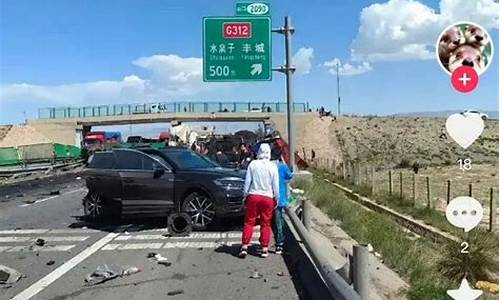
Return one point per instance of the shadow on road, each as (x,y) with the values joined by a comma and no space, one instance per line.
(140,224)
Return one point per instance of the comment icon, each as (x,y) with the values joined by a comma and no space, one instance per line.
(464,212)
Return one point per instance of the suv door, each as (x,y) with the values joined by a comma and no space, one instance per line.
(102,178)
(147,183)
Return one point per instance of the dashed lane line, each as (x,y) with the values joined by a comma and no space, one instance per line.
(16,239)
(48,231)
(41,284)
(52,197)
(48,248)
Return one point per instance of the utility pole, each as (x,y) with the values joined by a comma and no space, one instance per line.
(338,91)
(288,70)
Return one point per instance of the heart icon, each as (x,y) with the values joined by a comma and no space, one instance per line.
(464,128)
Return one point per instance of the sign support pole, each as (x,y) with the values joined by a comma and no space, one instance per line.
(288,69)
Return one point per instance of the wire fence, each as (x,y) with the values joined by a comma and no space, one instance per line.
(421,190)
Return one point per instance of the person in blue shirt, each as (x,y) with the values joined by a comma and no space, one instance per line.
(285,175)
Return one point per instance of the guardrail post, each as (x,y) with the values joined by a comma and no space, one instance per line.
(360,274)
(306,214)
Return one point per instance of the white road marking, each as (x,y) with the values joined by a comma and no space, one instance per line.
(23,231)
(17,239)
(13,239)
(51,231)
(52,197)
(73,231)
(48,248)
(141,246)
(63,269)
(140,237)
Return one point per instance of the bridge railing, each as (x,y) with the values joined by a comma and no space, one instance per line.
(165,107)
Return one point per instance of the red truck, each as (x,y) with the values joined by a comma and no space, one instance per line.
(98,140)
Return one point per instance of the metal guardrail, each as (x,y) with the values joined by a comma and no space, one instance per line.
(165,107)
(339,289)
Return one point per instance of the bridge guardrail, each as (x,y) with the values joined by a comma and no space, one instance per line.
(165,107)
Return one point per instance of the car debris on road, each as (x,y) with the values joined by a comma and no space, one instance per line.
(175,292)
(104,273)
(9,275)
(161,260)
(40,242)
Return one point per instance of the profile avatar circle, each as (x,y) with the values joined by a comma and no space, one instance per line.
(464,51)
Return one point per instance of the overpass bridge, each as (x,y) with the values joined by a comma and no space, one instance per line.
(66,125)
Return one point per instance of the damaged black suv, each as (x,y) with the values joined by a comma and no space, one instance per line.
(154,183)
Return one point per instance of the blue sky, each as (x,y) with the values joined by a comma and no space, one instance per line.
(74,53)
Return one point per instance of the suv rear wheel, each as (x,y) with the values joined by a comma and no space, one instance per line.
(200,208)
(93,205)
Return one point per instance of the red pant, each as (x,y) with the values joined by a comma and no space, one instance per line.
(262,207)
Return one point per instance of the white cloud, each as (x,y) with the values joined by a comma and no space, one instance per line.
(303,60)
(169,76)
(347,69)
(408,29)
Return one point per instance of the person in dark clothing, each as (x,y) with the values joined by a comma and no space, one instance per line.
(313,154)
(221,158)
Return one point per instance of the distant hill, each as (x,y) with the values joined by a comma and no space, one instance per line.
(442,114)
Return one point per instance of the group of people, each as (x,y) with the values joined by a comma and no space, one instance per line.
(266,196)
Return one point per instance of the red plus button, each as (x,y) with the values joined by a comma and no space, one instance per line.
(464,79)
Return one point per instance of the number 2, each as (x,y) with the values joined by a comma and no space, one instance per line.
(465,248)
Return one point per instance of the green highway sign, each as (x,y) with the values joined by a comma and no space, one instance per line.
(252,9)
(236,49)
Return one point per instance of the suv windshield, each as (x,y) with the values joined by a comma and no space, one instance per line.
(187,160)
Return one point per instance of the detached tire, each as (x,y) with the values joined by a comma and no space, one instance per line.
(200,208)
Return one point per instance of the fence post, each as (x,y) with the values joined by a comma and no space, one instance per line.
(390,182)
(401,186)
(491,210)
(343,170)
(373,180)
(327,167)
(470,189)
(448,191)
(360,276)
(428,192)
(414,193)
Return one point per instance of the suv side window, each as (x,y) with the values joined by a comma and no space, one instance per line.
(129,160)
(102,160)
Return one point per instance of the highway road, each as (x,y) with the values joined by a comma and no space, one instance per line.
(203,265)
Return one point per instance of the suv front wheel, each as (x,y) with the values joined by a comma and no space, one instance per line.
(200,208)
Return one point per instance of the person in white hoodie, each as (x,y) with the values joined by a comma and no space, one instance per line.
(261,193)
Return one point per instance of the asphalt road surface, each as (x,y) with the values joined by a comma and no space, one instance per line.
(203,265)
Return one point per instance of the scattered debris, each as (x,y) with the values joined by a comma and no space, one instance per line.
(370,248)
(256,275)
(175,292)
(201,248)
(30,201)
(159,259)
(275,287)
(9,275)
(78,178)
(20,195)
(265,279)
(55,192)
(40,242)
(131,270)
(50,262)
(101,274)
(104,273)
(280,274)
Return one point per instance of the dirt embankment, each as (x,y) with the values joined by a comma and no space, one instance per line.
(390,142)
